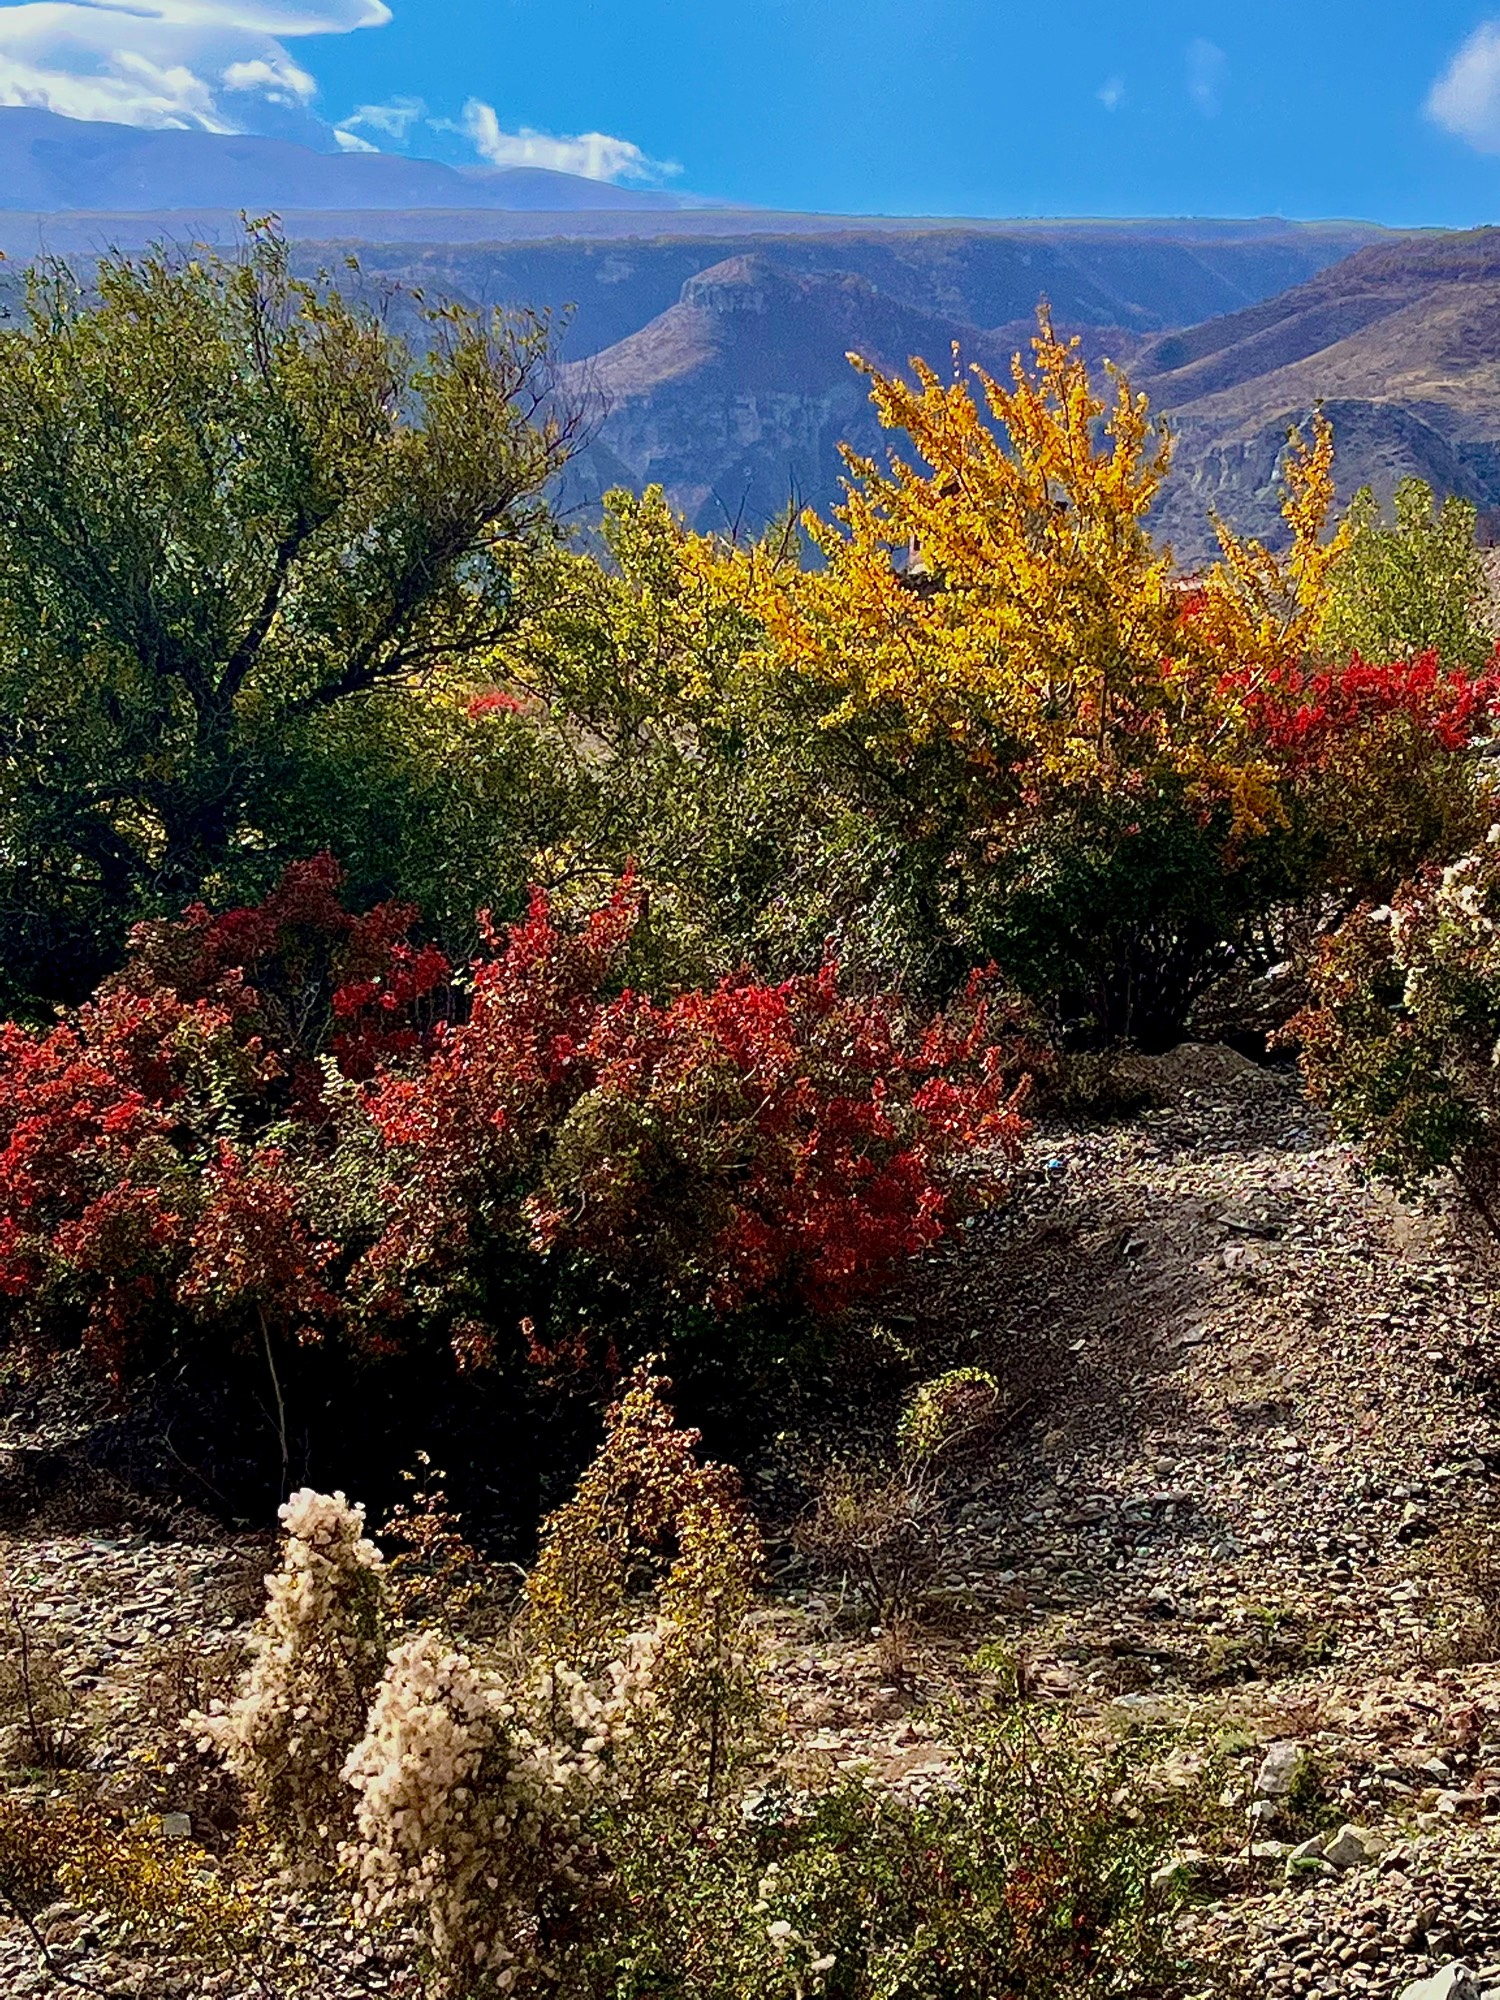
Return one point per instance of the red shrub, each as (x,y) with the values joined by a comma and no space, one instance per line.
(816,1138)
(1374,763)
(96,1126)
(750,1142)
(493,701)
(171,1158)
(1301,716)
(296,964)
(252,1246)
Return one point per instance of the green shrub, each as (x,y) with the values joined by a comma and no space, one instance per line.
(1410,585)
(1399,1038)
(1026,1871)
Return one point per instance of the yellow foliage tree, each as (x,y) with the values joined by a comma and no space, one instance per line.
(1000,588)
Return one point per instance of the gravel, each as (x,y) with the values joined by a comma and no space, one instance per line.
(1244,1495)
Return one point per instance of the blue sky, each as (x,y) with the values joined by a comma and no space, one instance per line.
(949,107)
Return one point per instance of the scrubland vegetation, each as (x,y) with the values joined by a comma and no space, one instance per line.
(458,973)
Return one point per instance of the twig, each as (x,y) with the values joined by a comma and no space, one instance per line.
(28,1692)
(44,1952)
(265,1334)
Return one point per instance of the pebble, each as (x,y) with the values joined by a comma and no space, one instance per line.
(1217,1512)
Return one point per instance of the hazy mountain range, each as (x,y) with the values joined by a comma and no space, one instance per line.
(49,163)
(737,394)
(710,346)
(716,363)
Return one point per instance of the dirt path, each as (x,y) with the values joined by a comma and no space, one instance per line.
(1248,1501)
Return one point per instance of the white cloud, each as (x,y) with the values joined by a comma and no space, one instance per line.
(595,155)
(267,17)
(1207,67)
(1111,93)
(1465,99)
(218,65)
(395,120)
(283,82)
(223,66)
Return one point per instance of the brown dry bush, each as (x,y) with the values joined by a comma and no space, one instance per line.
(40,1726)
(876,1529)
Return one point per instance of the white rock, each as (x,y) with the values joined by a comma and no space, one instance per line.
(1354,1846)
(1278,1769)
(1454,1982)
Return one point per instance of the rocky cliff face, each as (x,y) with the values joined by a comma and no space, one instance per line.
(1401,345)
(1234,472)
(737,398)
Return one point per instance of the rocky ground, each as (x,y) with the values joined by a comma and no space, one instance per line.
(1248,1495)
(1243,1493)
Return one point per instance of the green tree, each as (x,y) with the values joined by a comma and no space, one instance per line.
(234,508)
(1410,585)
(687,762)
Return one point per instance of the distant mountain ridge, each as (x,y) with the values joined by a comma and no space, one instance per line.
(1400,343)
(736,393)
(49,164)
(985,275)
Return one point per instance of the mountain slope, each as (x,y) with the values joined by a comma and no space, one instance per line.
(712,421)
(50,163)
(1402,344)
(738,393)
(737,398)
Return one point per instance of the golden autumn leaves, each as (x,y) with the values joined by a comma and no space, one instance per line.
(996,584)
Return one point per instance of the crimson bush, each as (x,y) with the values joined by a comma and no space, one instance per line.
(291,1129)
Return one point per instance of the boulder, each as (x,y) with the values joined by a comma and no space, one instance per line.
(1354,1847)
(1279,1769)
(1454,1982)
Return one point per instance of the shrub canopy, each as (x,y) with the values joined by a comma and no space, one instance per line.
(232,506)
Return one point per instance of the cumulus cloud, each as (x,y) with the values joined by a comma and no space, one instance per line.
(1465,99)
(1111,93)
(595,155)
(1207,67)
(219,65)
(226,66)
